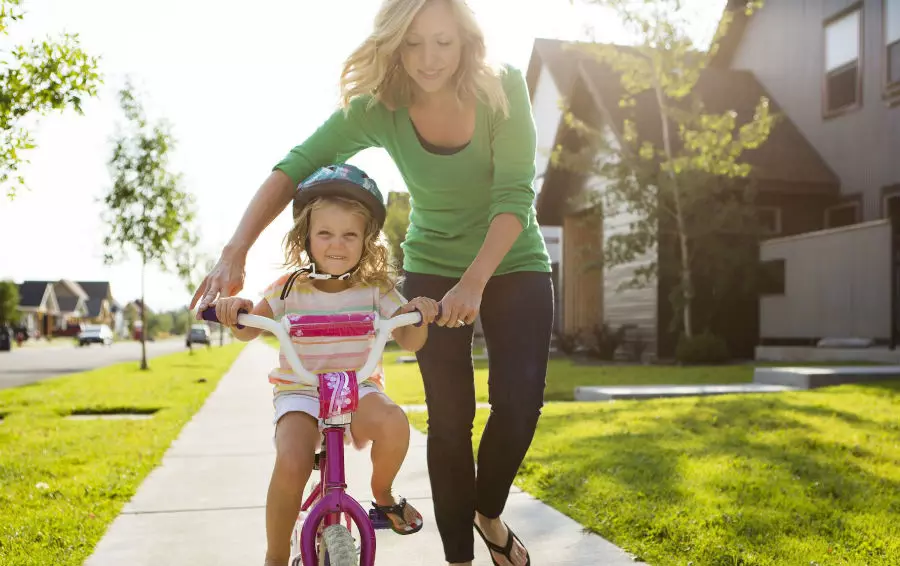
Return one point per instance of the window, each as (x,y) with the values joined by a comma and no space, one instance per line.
(843,69)
(841,215)
(769,218)
(771,280)
(892,47)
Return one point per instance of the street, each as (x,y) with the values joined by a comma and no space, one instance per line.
(28,365)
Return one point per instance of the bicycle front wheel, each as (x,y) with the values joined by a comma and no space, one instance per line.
(338,543)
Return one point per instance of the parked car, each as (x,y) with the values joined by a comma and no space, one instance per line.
(95,333)
(199,334)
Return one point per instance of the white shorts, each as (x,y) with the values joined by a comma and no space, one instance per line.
(297,402)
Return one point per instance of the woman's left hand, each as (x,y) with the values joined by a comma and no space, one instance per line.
(460,305)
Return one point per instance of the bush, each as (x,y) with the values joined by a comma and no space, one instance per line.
(566,342)
(606,341)
(703,348)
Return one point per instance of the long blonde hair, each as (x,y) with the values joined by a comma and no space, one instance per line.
(375,69)
(374,267)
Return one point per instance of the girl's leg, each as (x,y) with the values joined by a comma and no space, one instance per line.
(380,421)
(517,316)
(296,439)
(446,365)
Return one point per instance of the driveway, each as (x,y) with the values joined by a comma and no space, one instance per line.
(28,365)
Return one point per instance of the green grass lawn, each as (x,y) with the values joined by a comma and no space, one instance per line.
(769,479)
(62,482)
(404,383)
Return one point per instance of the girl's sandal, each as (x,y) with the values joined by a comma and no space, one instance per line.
(398,511)
(506,551)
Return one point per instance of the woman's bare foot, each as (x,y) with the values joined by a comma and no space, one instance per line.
(496,531)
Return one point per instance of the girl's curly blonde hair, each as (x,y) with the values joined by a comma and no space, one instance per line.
(375,69)
(374,266)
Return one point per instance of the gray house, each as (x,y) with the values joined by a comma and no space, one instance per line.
(826,178)
(833,66)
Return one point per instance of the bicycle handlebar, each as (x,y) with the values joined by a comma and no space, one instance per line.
(280,330)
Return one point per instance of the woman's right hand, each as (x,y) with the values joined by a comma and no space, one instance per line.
(225,280)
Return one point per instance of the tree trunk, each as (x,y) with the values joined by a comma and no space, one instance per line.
(687,284)
(143,318)
(187,335)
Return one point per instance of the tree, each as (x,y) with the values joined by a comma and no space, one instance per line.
(9,303)
(686,189)
(147,210)
(193,265)
(395,225)
(45,76)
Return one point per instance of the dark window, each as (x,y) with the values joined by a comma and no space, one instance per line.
(893,57)
(771,280)
(842,58)
(843,215)
(769,218)
(841,85)
(892,43)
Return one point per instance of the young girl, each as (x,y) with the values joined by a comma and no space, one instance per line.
(341,266)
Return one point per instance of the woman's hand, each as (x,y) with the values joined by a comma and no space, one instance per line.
(225,280)
(461,304)
(228,308)
(428,307)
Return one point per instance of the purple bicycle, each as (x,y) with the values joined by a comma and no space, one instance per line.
(323,538)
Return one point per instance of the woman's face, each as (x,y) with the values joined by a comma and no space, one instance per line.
(431,49)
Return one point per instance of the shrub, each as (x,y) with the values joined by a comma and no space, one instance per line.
(703,348)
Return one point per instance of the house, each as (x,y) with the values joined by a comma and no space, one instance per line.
(102,306)
(827,184)
(39,311)
(834,68)
(797,191)
(72,301)
(60,308)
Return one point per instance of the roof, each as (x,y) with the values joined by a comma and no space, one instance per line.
(785,156)
(97,292)
(68,304)
(31,293)
(70,288)
(729,42)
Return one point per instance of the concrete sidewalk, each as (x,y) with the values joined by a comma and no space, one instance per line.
(205,505)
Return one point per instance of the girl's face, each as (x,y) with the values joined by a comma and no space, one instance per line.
(431,49)
(336,238)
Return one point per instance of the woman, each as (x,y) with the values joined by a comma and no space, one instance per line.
(463,137)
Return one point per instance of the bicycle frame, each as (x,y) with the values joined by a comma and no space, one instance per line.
(334,500)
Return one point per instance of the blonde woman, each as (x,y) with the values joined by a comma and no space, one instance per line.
(463,137)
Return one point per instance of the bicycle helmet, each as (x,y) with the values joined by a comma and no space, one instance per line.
(341,180)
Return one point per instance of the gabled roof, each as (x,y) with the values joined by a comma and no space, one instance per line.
(785,156)
(729,43)
(66,287)
(98,291)
(32,294)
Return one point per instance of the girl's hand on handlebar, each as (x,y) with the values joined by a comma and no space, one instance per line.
(428,308)
(228,308)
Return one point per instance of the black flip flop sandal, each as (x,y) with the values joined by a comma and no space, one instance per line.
(506,551)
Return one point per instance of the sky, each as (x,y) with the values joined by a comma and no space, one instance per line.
(240,84)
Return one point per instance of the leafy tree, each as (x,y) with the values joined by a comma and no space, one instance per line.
(685,190)
(49,75)
(193,265)
(9,302)
(147,210)
(395,225)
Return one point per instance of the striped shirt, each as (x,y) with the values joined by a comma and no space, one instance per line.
(323,351)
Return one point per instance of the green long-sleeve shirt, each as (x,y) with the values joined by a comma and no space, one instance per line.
(453,197)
